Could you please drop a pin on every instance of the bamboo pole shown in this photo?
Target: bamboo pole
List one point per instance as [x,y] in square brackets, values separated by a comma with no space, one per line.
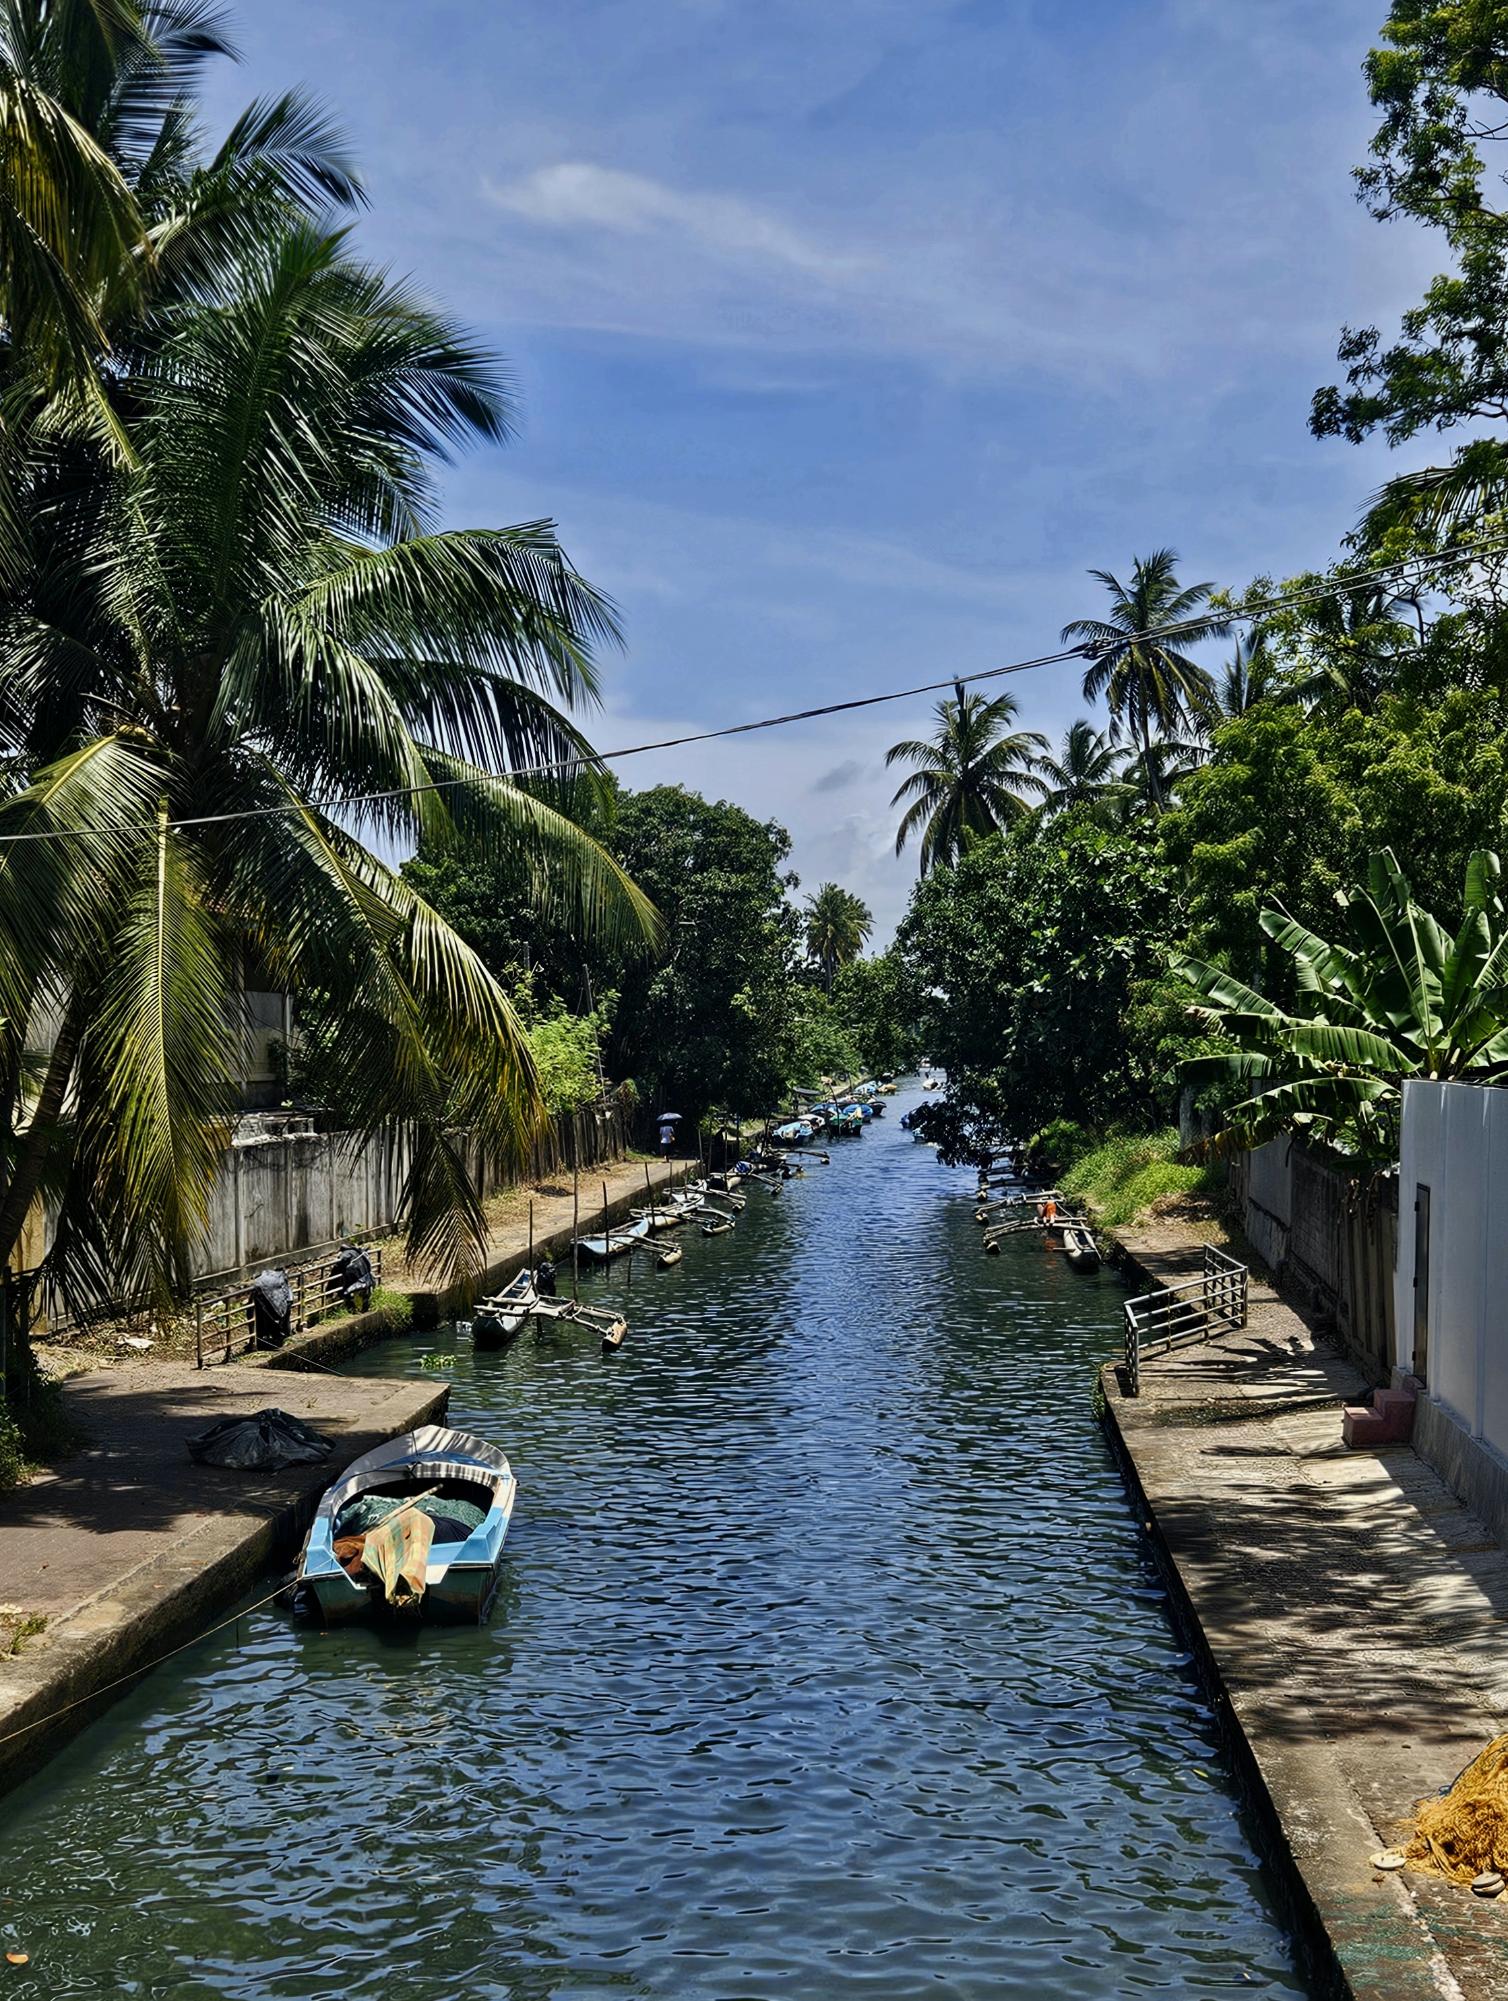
[575,1231]
[531,1239]
[198,1333]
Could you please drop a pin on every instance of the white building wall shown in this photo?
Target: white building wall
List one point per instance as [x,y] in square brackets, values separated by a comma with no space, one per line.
[1455,1144]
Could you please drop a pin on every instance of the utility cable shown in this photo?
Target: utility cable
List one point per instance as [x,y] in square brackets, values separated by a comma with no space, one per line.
[1248,614]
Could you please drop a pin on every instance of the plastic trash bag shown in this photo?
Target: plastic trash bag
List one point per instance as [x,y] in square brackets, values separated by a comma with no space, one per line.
[268,1440]
[353,1277]
[271,1301]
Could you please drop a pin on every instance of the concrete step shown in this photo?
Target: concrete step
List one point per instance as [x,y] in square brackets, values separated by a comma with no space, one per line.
[1387,1420]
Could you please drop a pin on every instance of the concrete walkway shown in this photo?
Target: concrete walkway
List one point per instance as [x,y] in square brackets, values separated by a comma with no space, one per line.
[129,1548]
[1353,1615]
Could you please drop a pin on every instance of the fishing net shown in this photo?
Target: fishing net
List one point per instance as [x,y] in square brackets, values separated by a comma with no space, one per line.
[1464,1832]
[361,1516]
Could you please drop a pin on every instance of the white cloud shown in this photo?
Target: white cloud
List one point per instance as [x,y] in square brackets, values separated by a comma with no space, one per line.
[574,194]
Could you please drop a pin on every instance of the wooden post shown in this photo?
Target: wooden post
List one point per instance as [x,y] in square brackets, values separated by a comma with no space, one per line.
[198,1333]
[575,1231]
[531,1239]
[4,1330]
[607,1228]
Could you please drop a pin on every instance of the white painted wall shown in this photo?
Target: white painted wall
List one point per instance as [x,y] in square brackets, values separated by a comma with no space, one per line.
[1455,1144]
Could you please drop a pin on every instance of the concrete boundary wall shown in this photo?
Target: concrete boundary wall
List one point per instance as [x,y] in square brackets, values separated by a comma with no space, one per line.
[1329,1236]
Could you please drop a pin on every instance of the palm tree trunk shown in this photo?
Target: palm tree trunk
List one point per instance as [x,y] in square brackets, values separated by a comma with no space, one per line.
[31,1159]
[1154,783]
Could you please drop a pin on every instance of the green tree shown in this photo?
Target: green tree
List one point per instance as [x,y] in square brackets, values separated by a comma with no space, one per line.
[1247,678]
[838,924]
[875,1001]
[969,777]
[1290,805]
[1027,959]
[1439,81]
[1088,773]
[707,1020]
[1152,686]
[820,1042]
[1402,998]
[217,646]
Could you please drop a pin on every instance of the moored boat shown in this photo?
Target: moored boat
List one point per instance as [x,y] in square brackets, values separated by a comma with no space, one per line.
[1080,1248]
[415,1526]
[613,1243]
[502,1318]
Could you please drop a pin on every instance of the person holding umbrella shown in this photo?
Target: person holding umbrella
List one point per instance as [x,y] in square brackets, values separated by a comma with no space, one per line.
[668,1121]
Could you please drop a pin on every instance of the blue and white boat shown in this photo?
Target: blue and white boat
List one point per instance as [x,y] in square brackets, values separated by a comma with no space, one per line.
[795,1133]
[414,1527]
[615,1242]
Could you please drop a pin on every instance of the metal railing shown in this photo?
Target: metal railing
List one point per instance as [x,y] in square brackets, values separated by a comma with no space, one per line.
[224,1321]
[1191,1309]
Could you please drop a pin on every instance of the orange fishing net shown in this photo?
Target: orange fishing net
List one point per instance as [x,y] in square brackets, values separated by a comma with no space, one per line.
[1464,1833]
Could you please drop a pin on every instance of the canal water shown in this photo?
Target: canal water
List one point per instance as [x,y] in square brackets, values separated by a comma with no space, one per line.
[828,1661]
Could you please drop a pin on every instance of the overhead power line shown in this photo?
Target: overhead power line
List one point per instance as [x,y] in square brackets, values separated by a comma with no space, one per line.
[1248,614]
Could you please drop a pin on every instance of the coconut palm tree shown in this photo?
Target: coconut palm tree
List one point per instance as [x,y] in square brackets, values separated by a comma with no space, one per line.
[1152,686]
[1248,677]
[1402,998]
[72,239]
[969,779]
[233,655]
[1087,773]
[1357,638]
[838,924]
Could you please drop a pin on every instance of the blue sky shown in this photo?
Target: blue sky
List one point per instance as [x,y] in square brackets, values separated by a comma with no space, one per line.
[849,336]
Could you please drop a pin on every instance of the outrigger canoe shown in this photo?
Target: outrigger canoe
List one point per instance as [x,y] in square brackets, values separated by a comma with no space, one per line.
[414,1527]
[613,1243]
[502,1318]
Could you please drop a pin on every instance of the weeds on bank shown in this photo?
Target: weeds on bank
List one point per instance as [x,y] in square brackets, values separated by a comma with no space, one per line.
[16,1627]
[1123,1174]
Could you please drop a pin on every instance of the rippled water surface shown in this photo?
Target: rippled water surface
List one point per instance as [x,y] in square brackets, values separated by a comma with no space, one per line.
[827,1661]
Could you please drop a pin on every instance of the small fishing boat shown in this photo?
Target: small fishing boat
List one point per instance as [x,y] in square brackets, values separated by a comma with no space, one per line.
[717,1226]
[613,1337]
[613,1243]
[1080,1248]
[416,1527]
[671,1255]
[670,1217]
[502,1318]
[796,1133]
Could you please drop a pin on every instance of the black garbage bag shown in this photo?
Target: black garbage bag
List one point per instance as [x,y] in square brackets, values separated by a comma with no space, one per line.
[270,1439]
[544,1279]
[353,1277]
[271,1309]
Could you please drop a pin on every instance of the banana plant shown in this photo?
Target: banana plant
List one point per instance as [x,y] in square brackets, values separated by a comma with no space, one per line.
[1401,998]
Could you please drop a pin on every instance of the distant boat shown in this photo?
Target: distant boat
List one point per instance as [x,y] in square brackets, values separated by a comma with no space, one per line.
[502,1318]
[717,1226]
[671,1255]
[613,1243]
[415,1527]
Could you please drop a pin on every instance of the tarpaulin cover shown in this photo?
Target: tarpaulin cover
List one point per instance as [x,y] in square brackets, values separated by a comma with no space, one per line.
[269,1439]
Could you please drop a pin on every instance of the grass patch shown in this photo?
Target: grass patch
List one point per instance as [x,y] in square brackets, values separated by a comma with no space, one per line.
[16,1627]
[1127,1172]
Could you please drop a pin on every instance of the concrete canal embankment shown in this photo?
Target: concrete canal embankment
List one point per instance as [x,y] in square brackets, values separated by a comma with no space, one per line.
[1350,1613]
[129,1549]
